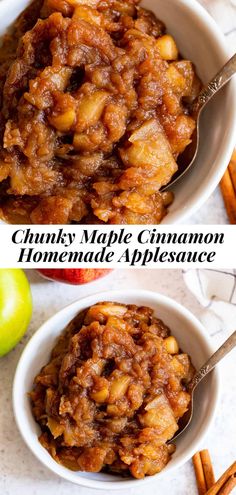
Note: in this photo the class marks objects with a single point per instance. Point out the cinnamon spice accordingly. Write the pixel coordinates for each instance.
(206, 479)
(229, 486)
(200, 477)
(232, 169)
(221, 484)
(228, 189)
(207, 468)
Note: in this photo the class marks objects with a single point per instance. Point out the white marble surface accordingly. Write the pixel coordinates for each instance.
(21, 473)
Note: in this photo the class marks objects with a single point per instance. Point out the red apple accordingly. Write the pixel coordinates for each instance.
(75, 276)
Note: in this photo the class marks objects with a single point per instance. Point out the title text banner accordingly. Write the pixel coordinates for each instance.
(34, 246)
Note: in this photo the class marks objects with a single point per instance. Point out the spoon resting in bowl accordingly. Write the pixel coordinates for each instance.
(187, 158)
(198, 377)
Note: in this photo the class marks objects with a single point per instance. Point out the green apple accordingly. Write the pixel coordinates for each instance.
(15, 308)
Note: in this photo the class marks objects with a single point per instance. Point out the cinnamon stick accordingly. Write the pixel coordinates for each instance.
(230, 472)
(207, 468)
(228, 189)
(232, 169)
(228, 486)
(199, 473)
(229, 196)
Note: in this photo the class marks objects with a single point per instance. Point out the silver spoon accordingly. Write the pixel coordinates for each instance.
(198, 377)
(207, 93)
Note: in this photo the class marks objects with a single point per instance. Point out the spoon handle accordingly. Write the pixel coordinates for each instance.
(223, 76)
(213, 361)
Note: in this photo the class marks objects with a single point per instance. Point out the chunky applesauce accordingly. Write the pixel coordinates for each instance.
(113, 392)
(95, 102)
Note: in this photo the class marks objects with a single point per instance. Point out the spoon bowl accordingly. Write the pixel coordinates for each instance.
(187, 158)
(227, 347)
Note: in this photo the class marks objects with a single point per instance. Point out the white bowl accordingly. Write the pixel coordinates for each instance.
(200, 40)
(192, 338)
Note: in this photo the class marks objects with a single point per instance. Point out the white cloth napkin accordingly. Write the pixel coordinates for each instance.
(216, 292)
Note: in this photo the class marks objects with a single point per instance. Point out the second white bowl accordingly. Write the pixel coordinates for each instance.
(192, 338)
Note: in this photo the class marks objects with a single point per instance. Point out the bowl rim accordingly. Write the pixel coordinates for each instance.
(223, 160)
(77, 306)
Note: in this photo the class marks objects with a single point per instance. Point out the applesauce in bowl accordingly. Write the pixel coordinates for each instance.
(112, 394)
(95, 112)
(191, 338)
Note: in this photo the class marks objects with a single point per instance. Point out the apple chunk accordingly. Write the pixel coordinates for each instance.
(160, 416)
(150, 151)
